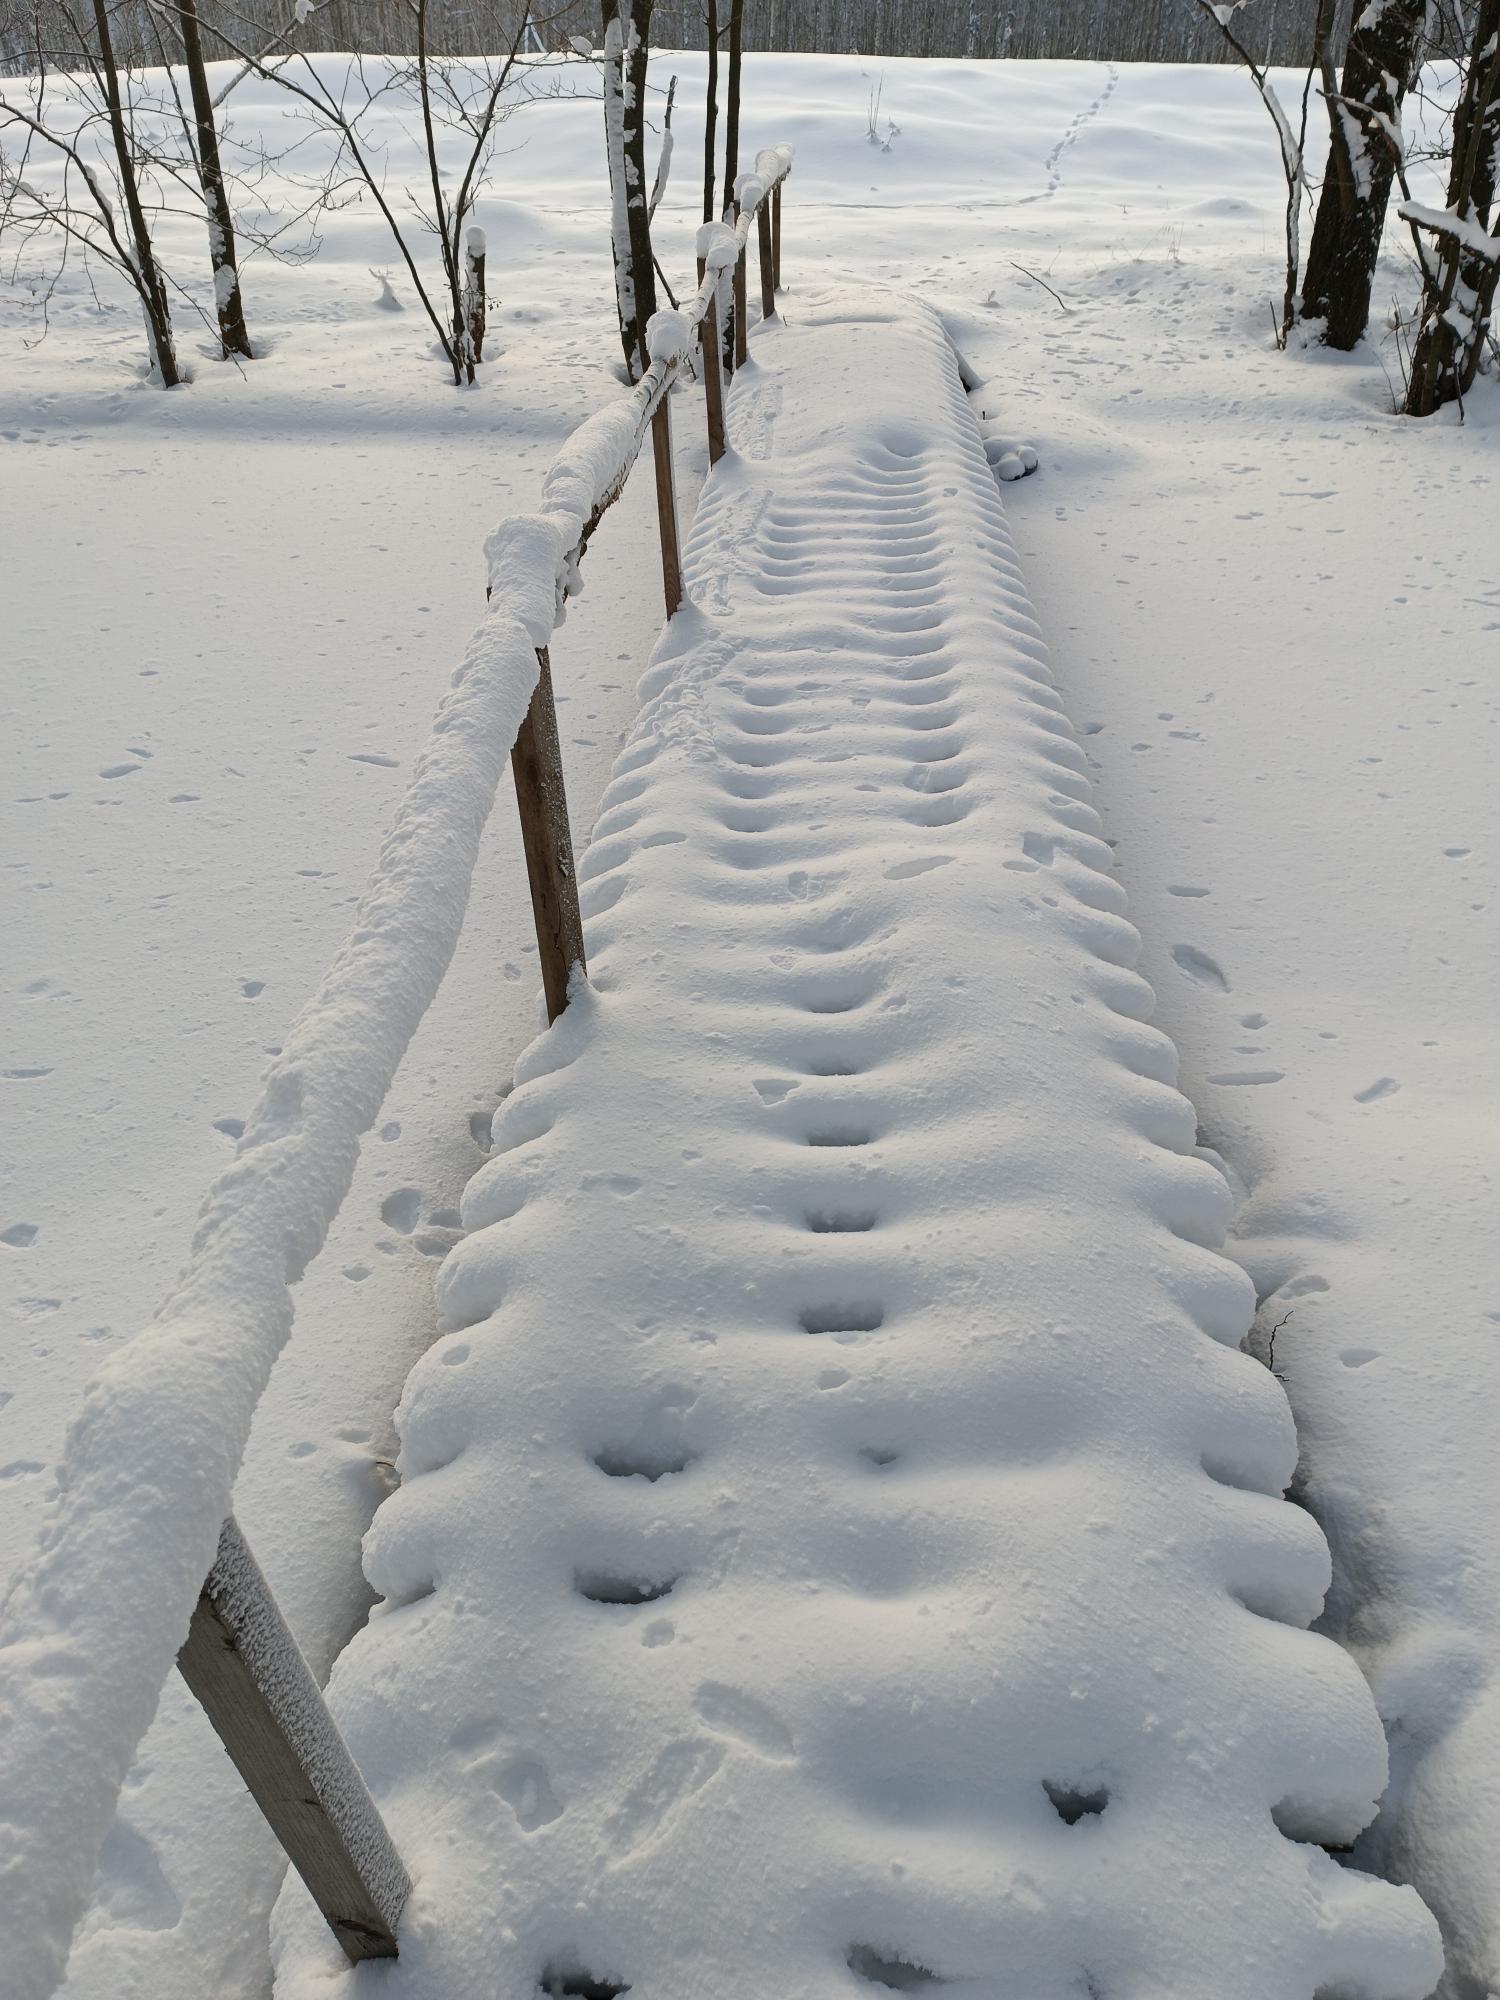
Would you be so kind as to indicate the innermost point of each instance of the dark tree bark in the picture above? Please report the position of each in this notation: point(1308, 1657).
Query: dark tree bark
point(1460, 290)
point(732, 106)
point(1378, 68)
point(234, 336)
point(627, 28)
point(711, 112)
point(149, 280)
point(732, 152)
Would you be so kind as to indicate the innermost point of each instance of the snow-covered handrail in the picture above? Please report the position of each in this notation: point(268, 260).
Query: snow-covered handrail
point(590, 471)
point(99, 1610)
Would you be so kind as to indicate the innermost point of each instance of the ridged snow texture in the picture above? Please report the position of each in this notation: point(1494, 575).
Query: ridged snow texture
point(840, 1542)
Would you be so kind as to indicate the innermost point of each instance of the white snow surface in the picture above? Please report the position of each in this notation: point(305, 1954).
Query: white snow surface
point(94, 1620)
point(871, 1553)
point(229, 613)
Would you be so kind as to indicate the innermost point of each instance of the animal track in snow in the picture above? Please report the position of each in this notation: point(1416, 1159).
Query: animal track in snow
point(730, 1711)
point(1383, 1086)
point(401, 1209)
point(681, 1769)
point(524, 1786)
point(1200, 967)
point(881, 1968)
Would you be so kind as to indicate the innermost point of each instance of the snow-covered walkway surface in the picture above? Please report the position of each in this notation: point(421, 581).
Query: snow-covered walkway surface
point(839, 1540)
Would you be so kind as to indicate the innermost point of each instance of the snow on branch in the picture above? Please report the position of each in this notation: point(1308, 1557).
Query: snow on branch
point(1467, 231)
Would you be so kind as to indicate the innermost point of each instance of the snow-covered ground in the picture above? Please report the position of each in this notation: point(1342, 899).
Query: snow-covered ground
point(229, 613)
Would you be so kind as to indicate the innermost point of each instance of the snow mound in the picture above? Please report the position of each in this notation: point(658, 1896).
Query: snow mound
point(841, 1545)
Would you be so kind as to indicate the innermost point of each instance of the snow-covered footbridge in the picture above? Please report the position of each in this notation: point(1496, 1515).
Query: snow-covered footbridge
point(840, 1544)
point(839, 1539)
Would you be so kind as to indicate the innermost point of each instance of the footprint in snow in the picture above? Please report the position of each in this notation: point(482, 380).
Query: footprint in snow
point(730, 1711)
point(1199, 966)
point(1383, 1086)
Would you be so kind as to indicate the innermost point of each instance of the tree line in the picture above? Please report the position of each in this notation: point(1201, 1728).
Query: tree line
point(116, 99)
point(1086, 30)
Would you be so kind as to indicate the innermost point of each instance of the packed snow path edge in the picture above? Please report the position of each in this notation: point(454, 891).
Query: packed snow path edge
point(840, 1539)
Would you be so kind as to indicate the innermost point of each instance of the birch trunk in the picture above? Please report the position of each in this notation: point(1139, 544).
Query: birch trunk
point(234, 335)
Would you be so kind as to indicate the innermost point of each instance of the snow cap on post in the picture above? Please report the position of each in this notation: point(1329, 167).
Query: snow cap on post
point(474, 241)
point(525, 557)
point(769, 162)
point(668, 336)
point(749, 192)
point(716, 246)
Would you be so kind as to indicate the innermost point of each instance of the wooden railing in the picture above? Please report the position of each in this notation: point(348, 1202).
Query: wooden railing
point(536, 761)
point(151, 1461)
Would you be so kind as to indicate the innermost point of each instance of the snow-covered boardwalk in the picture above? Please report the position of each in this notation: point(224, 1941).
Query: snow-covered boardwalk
point(839, 1539)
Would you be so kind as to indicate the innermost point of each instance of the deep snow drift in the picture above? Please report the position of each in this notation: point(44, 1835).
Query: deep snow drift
point(229, 614)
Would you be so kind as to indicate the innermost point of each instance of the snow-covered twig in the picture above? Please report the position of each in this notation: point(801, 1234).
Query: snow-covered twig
point(663, 158)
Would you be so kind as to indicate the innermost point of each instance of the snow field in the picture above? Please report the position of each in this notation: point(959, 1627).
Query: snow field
point(839, 1542)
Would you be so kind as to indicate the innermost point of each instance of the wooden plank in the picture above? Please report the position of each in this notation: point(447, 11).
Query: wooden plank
point(713, 383)
point(666, 504)
point(536, 764)
point(767, 278)
point(776, 236)
point(245, 1668)
point(741, 331)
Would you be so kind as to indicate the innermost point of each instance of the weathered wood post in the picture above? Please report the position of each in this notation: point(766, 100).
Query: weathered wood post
point(713, 383)
point(244, 1666)
point(474, 292)
point(776, 236)
point(741, 332)
point(716, 250)
point(536, 765)
point(767, 280)
point(666, 501)
point(729, 343)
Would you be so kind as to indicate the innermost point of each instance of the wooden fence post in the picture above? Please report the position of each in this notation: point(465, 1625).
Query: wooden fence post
point(726, 333)
point(776, 236)
point(741, 342)
point(713, 383)
point(536, 764)
point(244, 1666)
point(666, 502)
point(767, 279)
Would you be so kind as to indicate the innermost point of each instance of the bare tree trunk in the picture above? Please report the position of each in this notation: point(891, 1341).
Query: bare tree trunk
point(149, 281)
point(234, 336)
point(711, 112)
point(732, 152)
point(460, 354)
point(1461, 278)
point(627, 27)
point(732, 108)
point(1379, 66)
